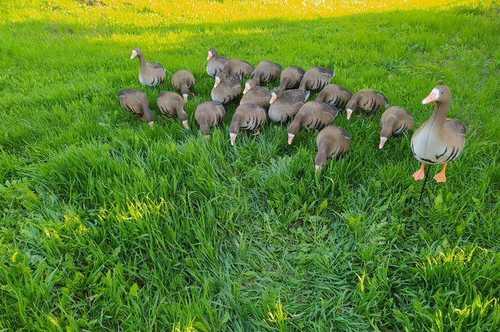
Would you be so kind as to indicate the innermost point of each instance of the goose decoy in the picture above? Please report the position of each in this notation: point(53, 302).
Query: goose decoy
point(290, 78)
point(332, 142)
point(257, 95)
point(171, 104)
point(226, 88)
point(439, 140)
point(249, 117)
point(316, 78)
point(368, 100)
point(285, 104)
point(395, 121)
point(312, 115)
point(237, 68)
point(136, 101)
point(265, 72)
point(183, 81)
point(215, 62)
point(334, 95)
point(150, 73)
point(208, 115)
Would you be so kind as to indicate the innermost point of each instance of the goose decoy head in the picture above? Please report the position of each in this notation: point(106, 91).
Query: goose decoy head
point(135, 53)
point(440, 94)
point(249, 85)
point(211, 53)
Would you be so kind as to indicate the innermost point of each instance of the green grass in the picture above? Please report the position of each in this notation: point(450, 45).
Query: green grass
point(109, 224)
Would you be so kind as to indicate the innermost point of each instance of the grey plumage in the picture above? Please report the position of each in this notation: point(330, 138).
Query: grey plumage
point(290, 78)
point(172, 104)
point(332, 142)
point(183, 81)
point(316, 78)
point(136, 102)
point(286, 104)
point(150, 73)
point(312, 115)
point(334, 95)
point(208, 115)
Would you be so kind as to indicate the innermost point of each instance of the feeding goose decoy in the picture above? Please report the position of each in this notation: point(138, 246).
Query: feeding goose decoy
point(183, 81)
point(171, 104)
point(285, 104)
point(313, 115)
point(226, 89)
point(265, 72)
point(257, 95)
point(208, 115)
point(136, 101)
point(290, 78)
point(150, 73)
point(249, 117)
point(316, 78)
point(332, 142)
point(368, 100)
point(215, 62)
point(334, 95)
point(395, 121)
point(237, 68)
point(439, 140)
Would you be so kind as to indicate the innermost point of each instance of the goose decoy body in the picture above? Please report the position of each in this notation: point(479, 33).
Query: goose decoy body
point(290, 78)
point(438, 140)
point(208, 115)
point(226, 89)
point(257, 95)
point(332, 142)
point(215, 62)
point(183, 81)
point(316, 78)
point(368, 100)
point(312, 115)
point(265, 72)
point(334, 95)
point(172, 104)
point(286, 103)
point(136, 101)
point(394, 121)
point(249, 117)
point(237, 68)
point(150, 73)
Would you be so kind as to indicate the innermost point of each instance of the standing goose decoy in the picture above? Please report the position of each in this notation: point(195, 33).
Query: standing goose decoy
point(316, 78)
point(171, 104)
point(226, 89)
point(183, 81)
point(312, 115)
point(265, 72)
point(439, 140)
point(334, 95)
point(290, 78)
point(215, 62)
point(136, 101)
point(395, 121)
point(257, 95)
point(332, 142)
point(150, 73)
point(368, 100)
point(237, 68)
point(208, 115)
point(249, 117)
point(285, 104)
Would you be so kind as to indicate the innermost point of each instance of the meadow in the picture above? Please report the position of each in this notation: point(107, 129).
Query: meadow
point(107, 224)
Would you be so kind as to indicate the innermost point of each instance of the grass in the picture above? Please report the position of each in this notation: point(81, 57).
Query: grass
point(109, 224)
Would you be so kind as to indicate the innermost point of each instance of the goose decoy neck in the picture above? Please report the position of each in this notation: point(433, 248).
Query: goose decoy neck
point(148, 115)
point(321, 156)
point(387, 127)
point(441, 97)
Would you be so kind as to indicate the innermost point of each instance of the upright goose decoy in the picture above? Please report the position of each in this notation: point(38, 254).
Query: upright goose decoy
point(249, 117)
point(290, 78)
point(172, 104)
point(368, 100)
point(285, 104)
point(257, 95)
point(215, 62)
point(316, 78)
point(313, 115)
point(439, 140)
point(265, 72)
point(208, 115)
point(332, 142)
point(136, 101)
point(395, 121)
point(237, 68)
point(183, 81)
point(334, 95)
point(150, 73)
point(226, 89)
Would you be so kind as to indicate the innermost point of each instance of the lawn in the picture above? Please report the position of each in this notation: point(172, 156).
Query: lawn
point(107, 224)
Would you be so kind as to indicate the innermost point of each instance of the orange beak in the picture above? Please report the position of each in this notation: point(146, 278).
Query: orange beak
point(432, 97)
